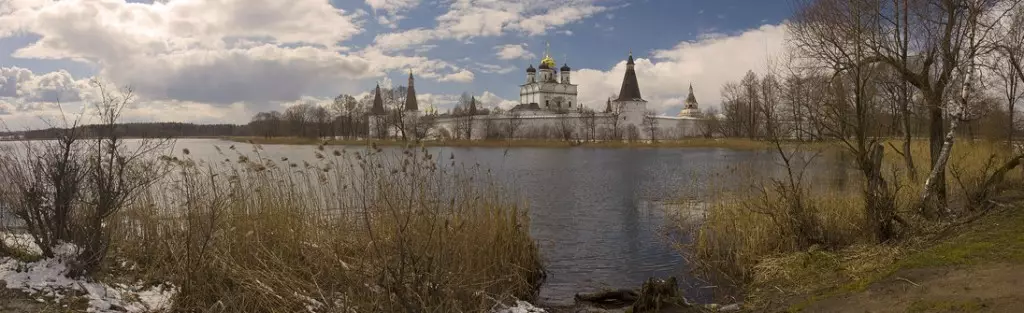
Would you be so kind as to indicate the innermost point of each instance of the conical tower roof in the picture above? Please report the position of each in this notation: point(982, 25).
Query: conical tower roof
point(691, 100)
point(630, 90)
point(378, 103)
point(411, 104)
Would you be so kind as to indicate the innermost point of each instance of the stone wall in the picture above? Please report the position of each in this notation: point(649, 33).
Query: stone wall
point(557, 126)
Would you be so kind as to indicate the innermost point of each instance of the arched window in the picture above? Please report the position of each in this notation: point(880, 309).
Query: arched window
point(547, 103)
point(570, 104)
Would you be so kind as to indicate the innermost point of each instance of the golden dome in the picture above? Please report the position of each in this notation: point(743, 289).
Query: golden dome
point(548, 62)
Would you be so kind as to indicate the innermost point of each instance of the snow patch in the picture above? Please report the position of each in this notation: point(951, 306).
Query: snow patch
point(520, 307)
point(23, 242)
point(46, 280)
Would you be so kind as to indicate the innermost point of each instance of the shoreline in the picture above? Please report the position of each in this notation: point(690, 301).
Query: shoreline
point(724, 143)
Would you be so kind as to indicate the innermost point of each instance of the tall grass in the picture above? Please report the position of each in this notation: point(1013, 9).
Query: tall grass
point(357, 231)
point(750, 234)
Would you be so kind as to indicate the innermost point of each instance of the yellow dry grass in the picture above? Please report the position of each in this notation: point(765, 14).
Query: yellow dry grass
point(359, 231)
point(748, 233)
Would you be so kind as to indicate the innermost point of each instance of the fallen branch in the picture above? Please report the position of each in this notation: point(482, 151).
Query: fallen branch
point(997, 177)
point(610, 298)
point(654, 295)
point(907, 280)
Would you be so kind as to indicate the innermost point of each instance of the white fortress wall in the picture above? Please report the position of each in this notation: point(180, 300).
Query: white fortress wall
point(546, 125)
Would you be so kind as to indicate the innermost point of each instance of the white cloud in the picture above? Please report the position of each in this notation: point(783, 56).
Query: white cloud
point(28, 101)
point(491, 100)
point(442, 102)
point(539, 24)
point(463, 76)
point(467, 19)
point(404, 39)
point(212, 51)
point(514, 52)
point(494, 69)
point(422, 66)
point(389, 12)
point(28, 89)
point(392, 5)
point(707, 64)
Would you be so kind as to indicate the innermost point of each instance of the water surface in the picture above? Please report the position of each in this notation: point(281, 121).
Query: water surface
point(598, 214)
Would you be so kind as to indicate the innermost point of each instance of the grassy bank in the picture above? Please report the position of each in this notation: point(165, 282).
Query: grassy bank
point(785, 244)
point(985, 252)
point(728, 143)
point(357, 231)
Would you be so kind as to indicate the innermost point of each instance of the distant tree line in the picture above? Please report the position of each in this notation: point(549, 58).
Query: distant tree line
point(142, 130)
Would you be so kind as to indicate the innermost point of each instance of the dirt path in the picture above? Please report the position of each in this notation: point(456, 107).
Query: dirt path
point(989, 288)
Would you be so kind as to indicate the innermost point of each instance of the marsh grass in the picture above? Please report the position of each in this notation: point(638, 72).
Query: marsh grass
point(361, 230)
point(771, 240)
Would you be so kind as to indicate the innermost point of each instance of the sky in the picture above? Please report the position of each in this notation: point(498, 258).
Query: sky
point(221, 61)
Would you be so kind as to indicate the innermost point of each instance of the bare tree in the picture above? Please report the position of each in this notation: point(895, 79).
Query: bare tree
point(589, 120)
point(514, 122)
point(490, 129)
point(394, 102)
point(750, 104)
point(42, 185)
point(566, 127)
point(614, 122)
point(841, 48)
point(297, 119)
point(734, 109)
point(421, 125)
point(710, 124)
point(932, 196)
point(266, 124)
point(632, 133)
point(937, 32)
point(1011, 42)
point(321, 120)
point(344, 109)
point(1010, 84)
point(462, 127)
point(650, 125)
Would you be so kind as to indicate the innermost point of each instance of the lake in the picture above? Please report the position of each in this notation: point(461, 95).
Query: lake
point(598, 214)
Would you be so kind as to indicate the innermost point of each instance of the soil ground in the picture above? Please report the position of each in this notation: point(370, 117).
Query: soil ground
point(980, 269)
point(997, 287)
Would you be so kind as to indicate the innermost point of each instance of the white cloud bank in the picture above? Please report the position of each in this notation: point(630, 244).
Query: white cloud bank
point(708, 63)
point(466, 19)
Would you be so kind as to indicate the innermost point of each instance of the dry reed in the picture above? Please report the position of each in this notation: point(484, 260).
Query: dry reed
point(362, 230)
point(753, 236)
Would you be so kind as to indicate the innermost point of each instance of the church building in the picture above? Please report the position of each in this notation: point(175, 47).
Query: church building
point(547, 87)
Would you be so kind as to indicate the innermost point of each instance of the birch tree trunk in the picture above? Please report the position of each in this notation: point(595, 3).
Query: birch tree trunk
point(929, 193)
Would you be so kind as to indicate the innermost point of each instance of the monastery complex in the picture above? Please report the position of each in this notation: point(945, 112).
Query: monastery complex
point(548, 107)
